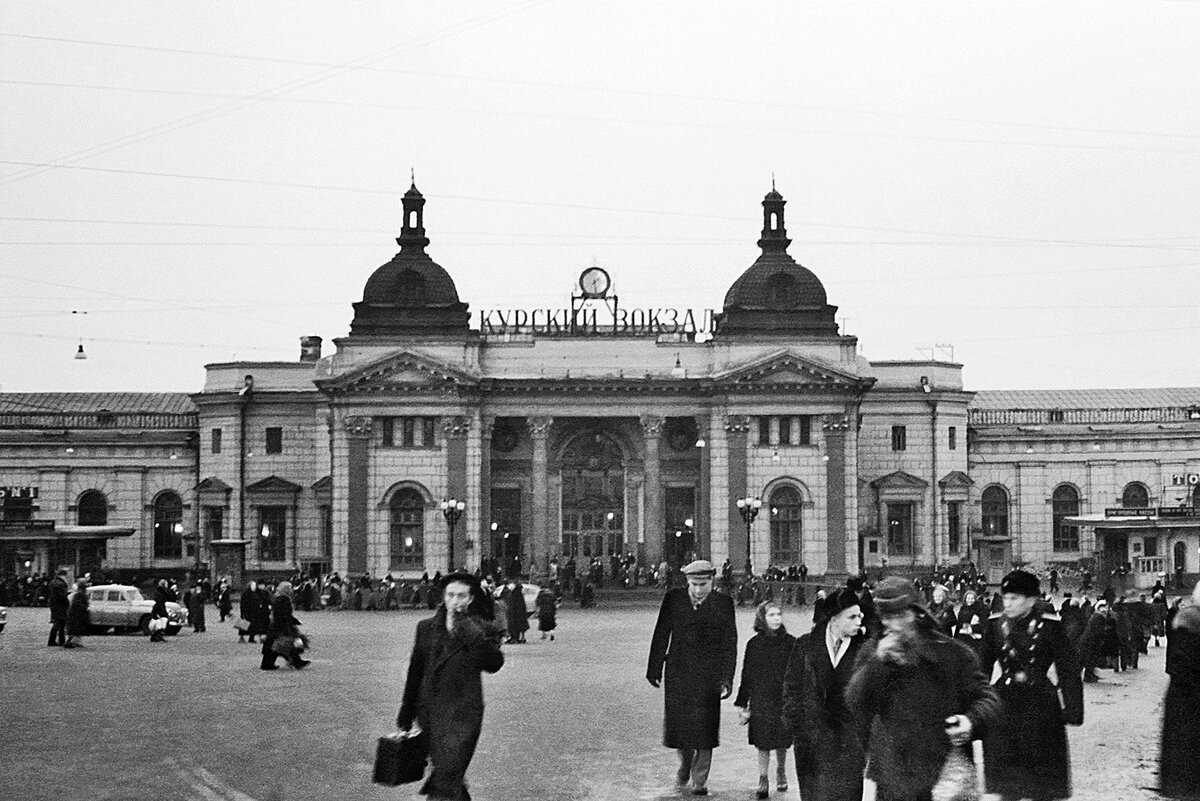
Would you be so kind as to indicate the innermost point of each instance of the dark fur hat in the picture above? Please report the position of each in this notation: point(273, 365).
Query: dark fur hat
point(1021, 582)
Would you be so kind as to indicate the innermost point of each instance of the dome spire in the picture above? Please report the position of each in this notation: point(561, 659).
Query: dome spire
point(412, 229)
point(774, 235)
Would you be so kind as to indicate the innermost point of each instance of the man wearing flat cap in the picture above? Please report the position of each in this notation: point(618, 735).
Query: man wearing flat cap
point(695, 639)
point(1025, 751)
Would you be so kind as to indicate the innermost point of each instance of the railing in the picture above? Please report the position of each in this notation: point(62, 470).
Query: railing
point(1034, 417)
point(94, 420)
point(1151, 564)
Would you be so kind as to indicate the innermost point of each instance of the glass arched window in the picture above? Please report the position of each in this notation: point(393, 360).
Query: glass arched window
point(168, 526)
point(995, 512)
point(1065, 502)
point(786, 505)
point(1135, 496)
point(410, 289)
point(408, 529)
point(93, 509)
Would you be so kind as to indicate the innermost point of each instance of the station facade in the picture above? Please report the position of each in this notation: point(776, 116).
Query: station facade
point(597, 430)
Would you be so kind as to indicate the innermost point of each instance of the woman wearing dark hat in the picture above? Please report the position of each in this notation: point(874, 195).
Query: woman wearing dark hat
point(78, 617)
point(760, 696)
point(920, 692)
point(829, 757)
point(1025, 750)
point(281, 639)
point(443, 693)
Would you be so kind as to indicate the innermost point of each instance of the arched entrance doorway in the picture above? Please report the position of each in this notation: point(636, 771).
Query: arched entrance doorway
point(593, 500)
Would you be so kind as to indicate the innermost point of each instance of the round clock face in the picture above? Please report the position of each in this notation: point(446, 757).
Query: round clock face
point(594, 281)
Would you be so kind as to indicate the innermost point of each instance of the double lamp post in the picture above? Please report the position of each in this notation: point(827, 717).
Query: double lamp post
point(452, 510)
point(748, 508)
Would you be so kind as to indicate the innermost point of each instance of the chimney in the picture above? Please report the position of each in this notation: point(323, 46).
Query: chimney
point(310, 349)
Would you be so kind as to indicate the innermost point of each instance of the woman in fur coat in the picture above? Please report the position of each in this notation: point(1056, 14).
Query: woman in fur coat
point(760, 697)
point(78, 617)
point(1179, 768)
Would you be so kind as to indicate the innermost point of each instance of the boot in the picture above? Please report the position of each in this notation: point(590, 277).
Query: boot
point(764, 788)
point(781, 783)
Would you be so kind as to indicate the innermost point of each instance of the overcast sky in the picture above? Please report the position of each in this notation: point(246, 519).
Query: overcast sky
point(211, 181)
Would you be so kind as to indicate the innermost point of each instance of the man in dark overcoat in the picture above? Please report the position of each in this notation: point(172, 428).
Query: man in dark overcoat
point(829, 756)
point(60, 602)
point(443, 693)
point(916, 694)
point(1025, 750)
point(696, 640)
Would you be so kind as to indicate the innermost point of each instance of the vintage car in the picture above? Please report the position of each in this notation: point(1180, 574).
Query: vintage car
point(122, 607)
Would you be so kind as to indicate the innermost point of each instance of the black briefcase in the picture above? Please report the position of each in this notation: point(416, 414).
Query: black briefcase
point(400, 759)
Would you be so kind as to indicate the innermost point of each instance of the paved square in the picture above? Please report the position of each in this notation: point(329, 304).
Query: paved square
point(194, 717)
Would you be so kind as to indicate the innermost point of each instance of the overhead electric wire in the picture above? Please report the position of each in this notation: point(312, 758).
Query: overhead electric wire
point(657, 95)
point(250, 100)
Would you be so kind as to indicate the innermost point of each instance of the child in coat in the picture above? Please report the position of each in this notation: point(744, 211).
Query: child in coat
point(760, 696)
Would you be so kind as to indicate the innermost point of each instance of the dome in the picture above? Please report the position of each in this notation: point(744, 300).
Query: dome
point(776, 295)
point(411, 294)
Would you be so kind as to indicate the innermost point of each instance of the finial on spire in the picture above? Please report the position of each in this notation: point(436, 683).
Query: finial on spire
point(412, 172)
point(772, 180)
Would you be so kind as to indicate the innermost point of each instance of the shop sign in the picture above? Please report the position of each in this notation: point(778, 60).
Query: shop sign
point(1179, 511)
point(592, 321)
point(1123, 511)
point(26, 525)
point(1185, 479)
point(18, 493)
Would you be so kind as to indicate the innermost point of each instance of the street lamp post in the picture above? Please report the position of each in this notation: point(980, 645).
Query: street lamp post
point(452, 510)
point(748, 508)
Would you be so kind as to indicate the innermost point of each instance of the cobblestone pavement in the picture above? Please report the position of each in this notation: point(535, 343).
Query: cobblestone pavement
point(194, 718)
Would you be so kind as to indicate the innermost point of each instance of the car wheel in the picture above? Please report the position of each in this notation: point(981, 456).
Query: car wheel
point(144, 624)
point(171, 631)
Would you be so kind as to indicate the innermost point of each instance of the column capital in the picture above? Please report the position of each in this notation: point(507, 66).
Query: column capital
point(487, 424)
point(652, 425)
point(539, 427)
point(737, 423)
point(835, 424)
point(456, 426)
point(358, 427)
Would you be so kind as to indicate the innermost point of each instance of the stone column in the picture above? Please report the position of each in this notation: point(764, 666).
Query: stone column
point(487, 425)
point(703, 521)
point(358, 472)
point(835, 496)
point(455, 430)
point(539, 540)
point(737, 429)
point(652, 488)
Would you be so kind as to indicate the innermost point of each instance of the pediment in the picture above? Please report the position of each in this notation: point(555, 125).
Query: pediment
point(213, 484)
point(793, 370)
point(956, 479)
point(899, 480)
point(404, 371)
point(273, 484)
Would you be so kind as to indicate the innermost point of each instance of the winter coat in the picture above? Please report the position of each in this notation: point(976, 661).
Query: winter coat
point(1025, 751)
point(969, 625)
point(1073, 624)
point(195, 607)
point(1099, 641)
point(903, 709)
point(945, 618)
point(547, 610)
point(225, 602)
point(160, 602)
point(829, 755)
point(78, 617)
point(444, 694)
point(253, 612)
point(518, 613)
point(60, 600)
point(694, 653)
point(763, 668)
point(1179, 767)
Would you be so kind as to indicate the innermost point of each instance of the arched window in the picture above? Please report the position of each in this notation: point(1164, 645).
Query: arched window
point(781, 291)
point(93, 509)
point(787, 544)
point(410, 289)
point(1065, 502)
point(408, 529)
point(1135, 496)
point(168, 526)
point(995, 511)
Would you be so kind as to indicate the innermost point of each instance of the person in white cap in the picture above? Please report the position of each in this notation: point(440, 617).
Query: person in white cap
point(695, 639)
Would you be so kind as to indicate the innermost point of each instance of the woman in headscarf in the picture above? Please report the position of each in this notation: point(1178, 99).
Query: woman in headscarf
point(283, 638)
point(760, 697)
point(518, 613)
point(250, 608)
point(829, 757)
point(159, 611)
